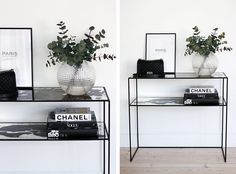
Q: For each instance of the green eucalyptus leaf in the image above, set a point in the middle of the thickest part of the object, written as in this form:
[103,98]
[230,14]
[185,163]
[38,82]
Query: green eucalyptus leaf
[64,37]
[106,45]
[63,27]
[97,47]
[98,37]
[72,43]
[195,29]
[91,28]
[52,45]
[101,35]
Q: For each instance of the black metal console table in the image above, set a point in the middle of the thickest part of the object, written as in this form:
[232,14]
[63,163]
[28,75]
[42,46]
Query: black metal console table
[37,131]
[155,101]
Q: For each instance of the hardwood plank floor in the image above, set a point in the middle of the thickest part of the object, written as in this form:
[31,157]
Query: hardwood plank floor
[178,161]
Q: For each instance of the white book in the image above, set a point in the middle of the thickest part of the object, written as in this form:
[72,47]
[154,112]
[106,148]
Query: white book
[73,114]
[73,117]
[202,89]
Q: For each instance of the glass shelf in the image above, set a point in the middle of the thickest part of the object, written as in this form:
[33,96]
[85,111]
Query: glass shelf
[37,131]
[56,94]
[185,75]
[167,101]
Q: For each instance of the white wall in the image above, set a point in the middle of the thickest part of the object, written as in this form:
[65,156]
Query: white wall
[176,126]
[42,16]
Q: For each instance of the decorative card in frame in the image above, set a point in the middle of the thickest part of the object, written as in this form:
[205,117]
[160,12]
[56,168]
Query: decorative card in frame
[162,46]
[16,53]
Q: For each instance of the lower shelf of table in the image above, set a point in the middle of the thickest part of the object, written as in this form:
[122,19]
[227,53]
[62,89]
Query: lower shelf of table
[168,101]
[166,150]
[37,131]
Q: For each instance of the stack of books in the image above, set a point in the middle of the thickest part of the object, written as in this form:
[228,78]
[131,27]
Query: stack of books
[203,95]
[72,123]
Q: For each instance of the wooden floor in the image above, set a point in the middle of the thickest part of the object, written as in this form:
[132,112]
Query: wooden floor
[178,161]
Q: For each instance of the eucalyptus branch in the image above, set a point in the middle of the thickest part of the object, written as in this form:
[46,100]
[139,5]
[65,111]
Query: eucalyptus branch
[66,49]
[104,56]
[206,45]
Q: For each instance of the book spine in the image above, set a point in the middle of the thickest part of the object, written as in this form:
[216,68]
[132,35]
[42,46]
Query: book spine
[202,90]
[201,101]
[201,96]
[72,117]
[75,134]
[71,125]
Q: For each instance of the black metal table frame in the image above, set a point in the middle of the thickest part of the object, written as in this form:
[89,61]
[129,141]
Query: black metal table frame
[106,139]
[224,114]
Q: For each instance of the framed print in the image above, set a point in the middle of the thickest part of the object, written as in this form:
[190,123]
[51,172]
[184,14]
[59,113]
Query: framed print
[162,46]
[16,54]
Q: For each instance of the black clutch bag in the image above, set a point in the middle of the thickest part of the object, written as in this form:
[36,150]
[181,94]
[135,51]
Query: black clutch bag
[150,68]
[8,84]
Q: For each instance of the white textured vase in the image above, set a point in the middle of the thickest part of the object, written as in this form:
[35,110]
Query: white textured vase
[76,80]
[205,66]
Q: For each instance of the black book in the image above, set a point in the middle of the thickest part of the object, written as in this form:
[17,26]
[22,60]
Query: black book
[53,124]
[72,134]
[195,101]
[201,96]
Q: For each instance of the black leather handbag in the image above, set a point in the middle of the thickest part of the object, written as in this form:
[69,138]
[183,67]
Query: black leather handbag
[150,68]
[8,84]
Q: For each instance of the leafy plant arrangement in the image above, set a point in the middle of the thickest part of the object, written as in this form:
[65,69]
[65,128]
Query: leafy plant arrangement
[67,49]
[206,45]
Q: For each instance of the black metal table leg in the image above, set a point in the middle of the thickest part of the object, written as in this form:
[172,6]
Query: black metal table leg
[226,121]
[137,113]
[109,137]
[104,141]
[130,129]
